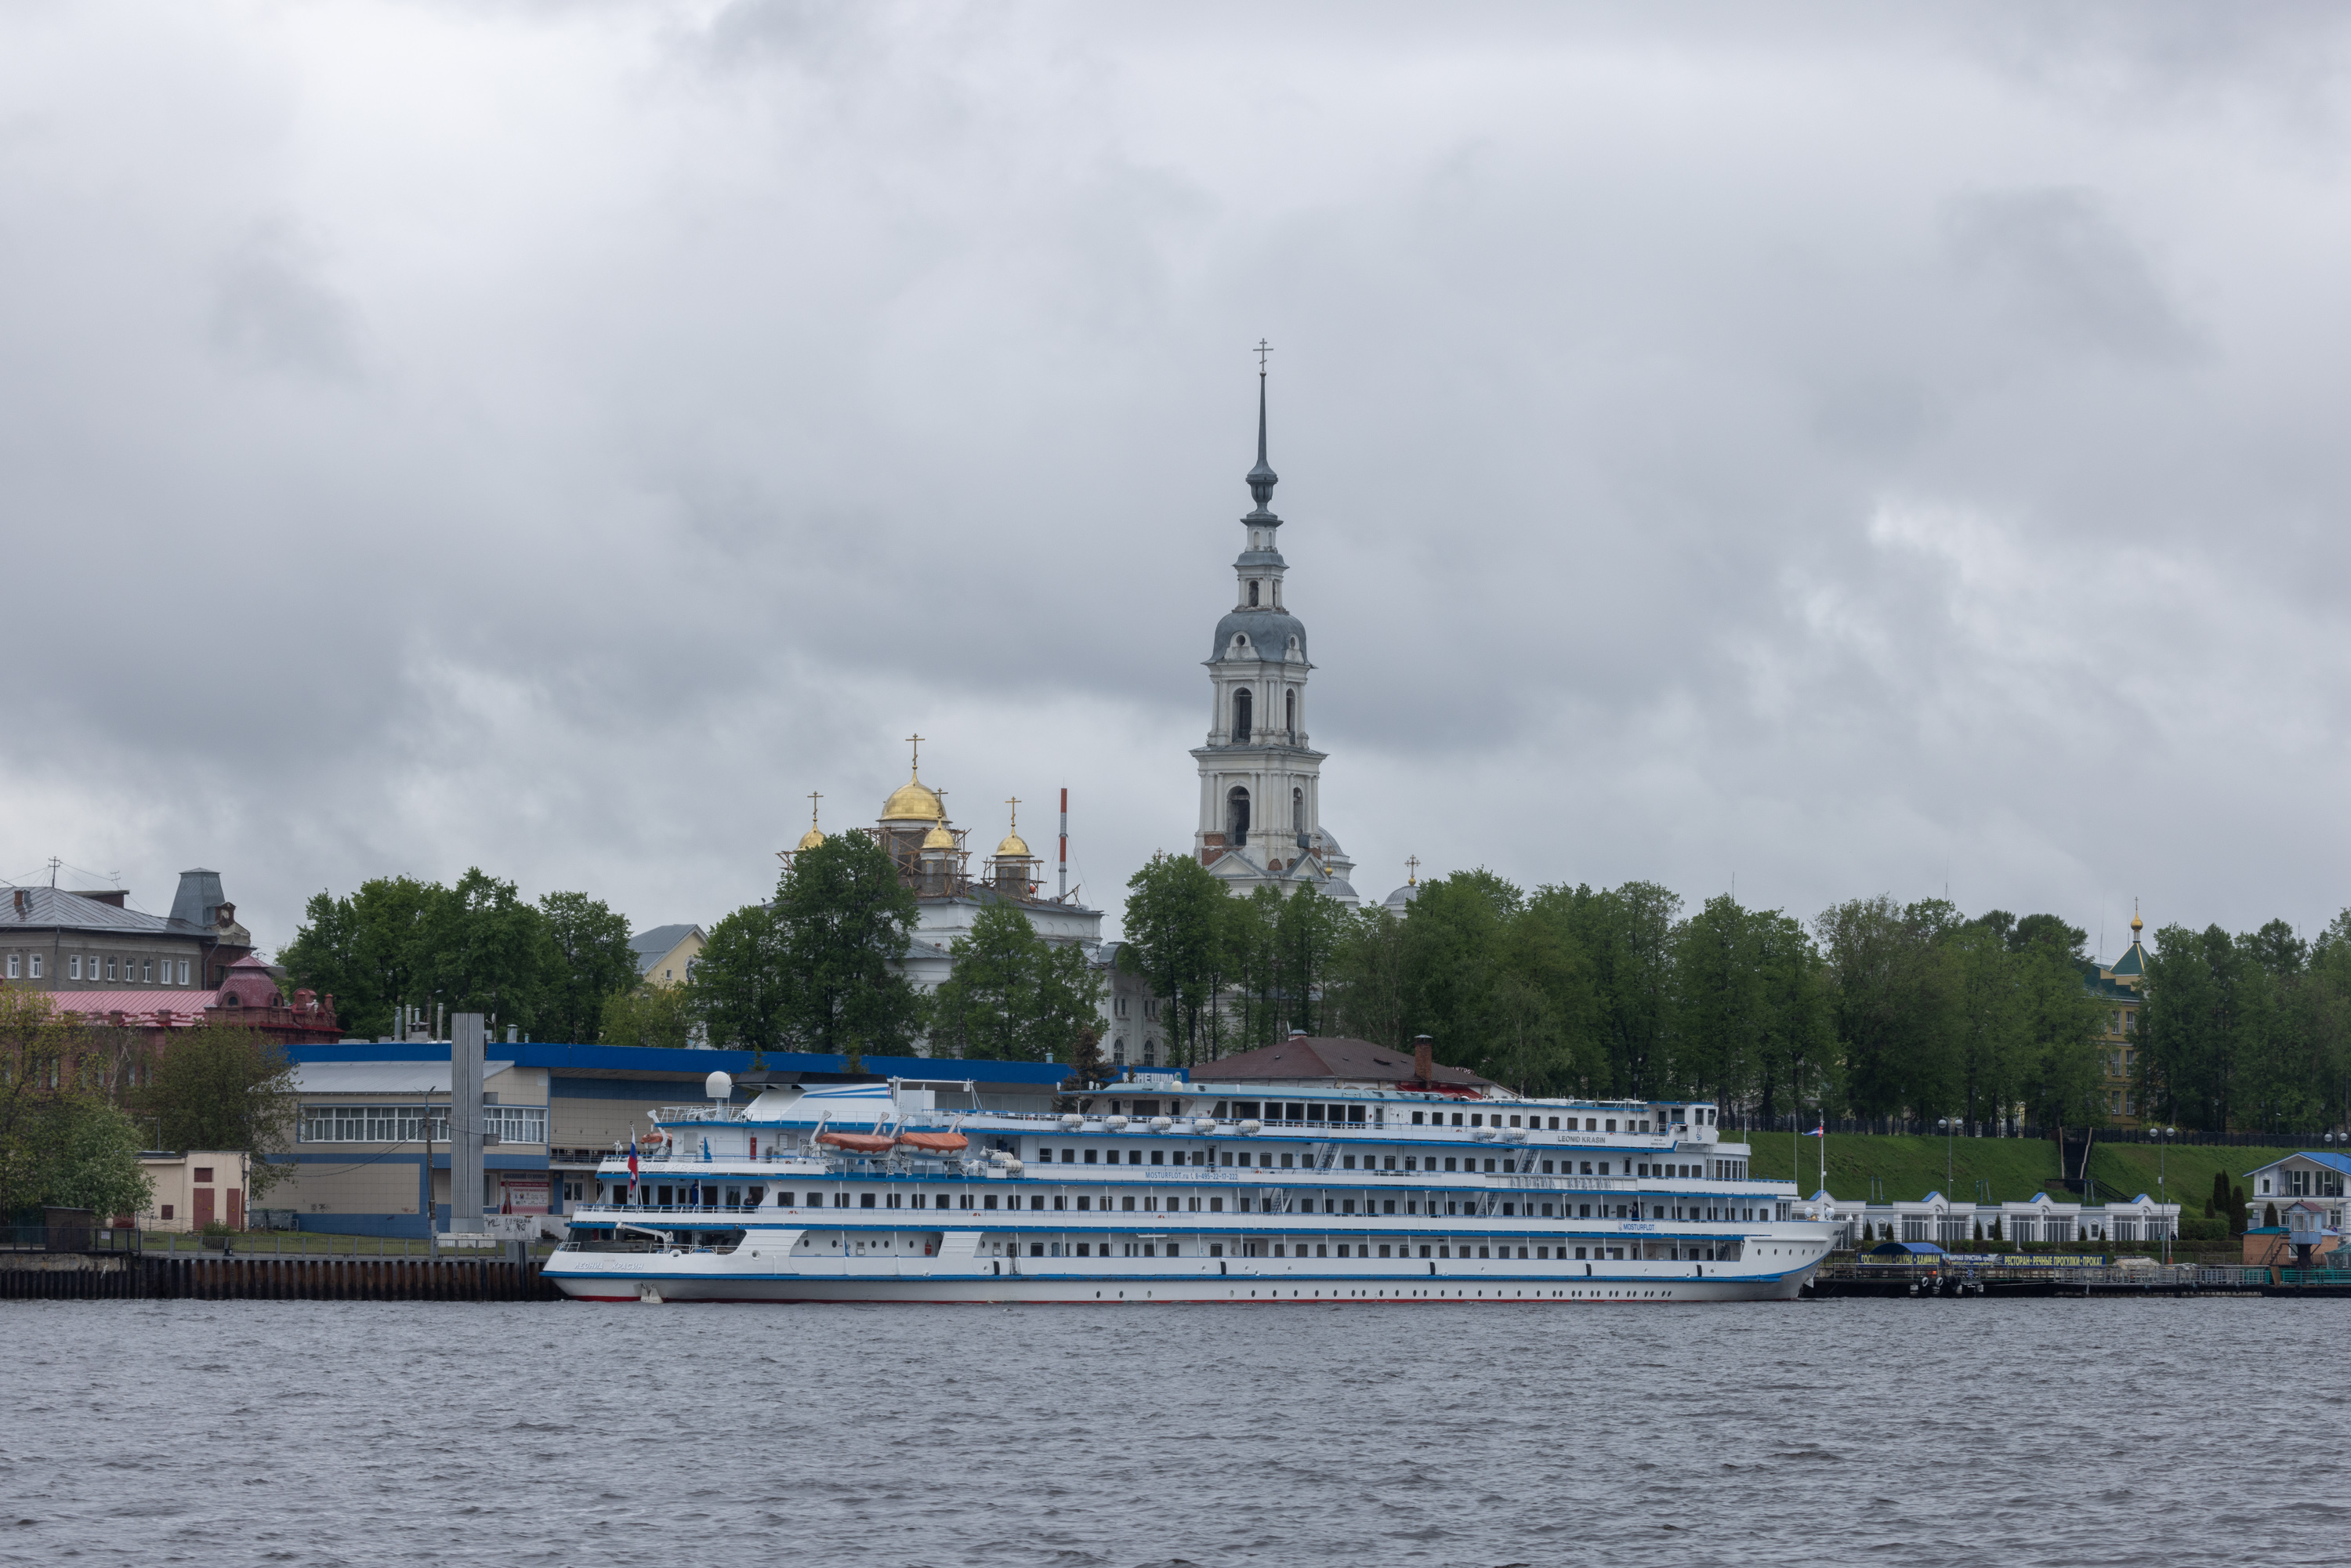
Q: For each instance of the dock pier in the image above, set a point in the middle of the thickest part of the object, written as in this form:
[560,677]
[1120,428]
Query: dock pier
[99,1276]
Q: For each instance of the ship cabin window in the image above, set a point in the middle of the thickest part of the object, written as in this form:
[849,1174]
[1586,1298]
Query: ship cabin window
[1349,1162]
[1387,1161]
[1090,1156]
[1514,1121]
[1449,1161]
[1418,1118]
[1287,1162]
[1476,1120]
[1158,1156]
[1456,1118]
[1215,1205]
[1612,1123]
[1229,1157]
[1554,1124]
[988,1202]
[1412,1163]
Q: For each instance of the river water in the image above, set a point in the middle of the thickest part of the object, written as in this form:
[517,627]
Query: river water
[1929,1432]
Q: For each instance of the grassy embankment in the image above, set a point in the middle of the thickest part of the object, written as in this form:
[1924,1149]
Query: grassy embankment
[2012,1169]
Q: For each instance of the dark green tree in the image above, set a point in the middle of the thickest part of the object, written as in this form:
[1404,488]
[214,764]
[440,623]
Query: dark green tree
[61,1142]
[221,1088]
[742,987]
[485,950]
[1250,929]
[1175,921]
[847,922]
[593,960]
[649,1015]
[988,1005]
[2193,1027]
[1065,1021]
[367,950]
[1305,932]
[1367,978]
[1895,1004]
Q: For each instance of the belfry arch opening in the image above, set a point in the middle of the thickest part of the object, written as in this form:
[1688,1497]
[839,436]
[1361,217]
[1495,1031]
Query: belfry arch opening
[1298,811]
[1237,816]
[1241,715]
[1252,593]
[1290,711]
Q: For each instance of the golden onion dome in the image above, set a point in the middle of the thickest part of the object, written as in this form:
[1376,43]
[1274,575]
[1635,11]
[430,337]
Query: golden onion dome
[810,839]
[913,803]
[938,838]
[1012,849]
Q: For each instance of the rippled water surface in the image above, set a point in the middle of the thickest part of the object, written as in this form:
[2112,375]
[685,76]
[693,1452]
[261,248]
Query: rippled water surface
[1941,1432]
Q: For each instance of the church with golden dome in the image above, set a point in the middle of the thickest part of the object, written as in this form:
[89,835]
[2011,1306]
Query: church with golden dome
[934,858]
[1260,780]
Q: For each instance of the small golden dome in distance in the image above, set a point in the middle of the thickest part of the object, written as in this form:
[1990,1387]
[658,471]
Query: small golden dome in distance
[810,839]
[938,838]
[1012,848]
[2137,924]
[913,803]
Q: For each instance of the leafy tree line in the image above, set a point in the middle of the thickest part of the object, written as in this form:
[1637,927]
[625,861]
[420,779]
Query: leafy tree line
[548,968]
[818,968]
[78,1104]
[1875,1008]
[2251,1032]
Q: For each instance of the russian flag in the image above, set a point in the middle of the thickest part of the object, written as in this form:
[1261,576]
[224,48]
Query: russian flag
[632,1167]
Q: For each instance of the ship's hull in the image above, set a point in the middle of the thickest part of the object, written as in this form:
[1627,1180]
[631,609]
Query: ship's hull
[706,1278]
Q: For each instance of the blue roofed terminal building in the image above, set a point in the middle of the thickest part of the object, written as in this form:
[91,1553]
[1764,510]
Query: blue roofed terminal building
[370,1152]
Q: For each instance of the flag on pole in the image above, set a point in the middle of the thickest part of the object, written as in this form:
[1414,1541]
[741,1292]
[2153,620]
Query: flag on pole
[632,1169]
[1819,1132]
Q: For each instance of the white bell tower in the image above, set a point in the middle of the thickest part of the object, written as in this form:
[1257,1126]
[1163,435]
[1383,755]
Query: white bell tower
[1260,781]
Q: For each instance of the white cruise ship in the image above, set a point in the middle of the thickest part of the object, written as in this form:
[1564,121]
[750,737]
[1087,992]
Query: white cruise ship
[1165,1191]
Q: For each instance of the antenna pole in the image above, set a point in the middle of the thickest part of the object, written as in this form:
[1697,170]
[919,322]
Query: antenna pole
[1065,840]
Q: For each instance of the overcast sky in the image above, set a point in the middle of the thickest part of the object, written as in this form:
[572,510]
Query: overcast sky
[1843,450]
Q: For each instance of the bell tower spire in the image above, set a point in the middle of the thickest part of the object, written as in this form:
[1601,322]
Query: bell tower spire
[1260,777]
[1261,478]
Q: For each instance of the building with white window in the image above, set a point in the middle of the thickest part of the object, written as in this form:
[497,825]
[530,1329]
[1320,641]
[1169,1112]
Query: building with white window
[2040,1220]
[57,939]
[2310,1176]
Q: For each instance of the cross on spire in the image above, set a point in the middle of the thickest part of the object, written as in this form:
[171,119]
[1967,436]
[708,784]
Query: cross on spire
[1263,349]
[1014,801]
[813,799]
[916,741]
[1412,871]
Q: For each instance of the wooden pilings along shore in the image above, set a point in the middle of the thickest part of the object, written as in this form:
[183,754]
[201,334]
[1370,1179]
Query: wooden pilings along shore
[54,1277]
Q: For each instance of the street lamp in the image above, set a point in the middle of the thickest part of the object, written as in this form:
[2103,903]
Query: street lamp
[1949,1131]
[2162,1197]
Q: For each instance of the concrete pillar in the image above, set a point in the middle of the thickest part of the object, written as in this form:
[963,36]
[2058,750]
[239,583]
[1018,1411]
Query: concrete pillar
[465,1051]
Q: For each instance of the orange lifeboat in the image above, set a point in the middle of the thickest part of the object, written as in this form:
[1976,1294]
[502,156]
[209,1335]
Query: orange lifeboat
[936,1143]
[859,1143]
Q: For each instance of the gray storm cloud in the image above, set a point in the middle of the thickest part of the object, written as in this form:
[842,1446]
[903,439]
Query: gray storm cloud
[1840,452]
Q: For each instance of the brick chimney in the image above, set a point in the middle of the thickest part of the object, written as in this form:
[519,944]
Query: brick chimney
[1424,1059]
